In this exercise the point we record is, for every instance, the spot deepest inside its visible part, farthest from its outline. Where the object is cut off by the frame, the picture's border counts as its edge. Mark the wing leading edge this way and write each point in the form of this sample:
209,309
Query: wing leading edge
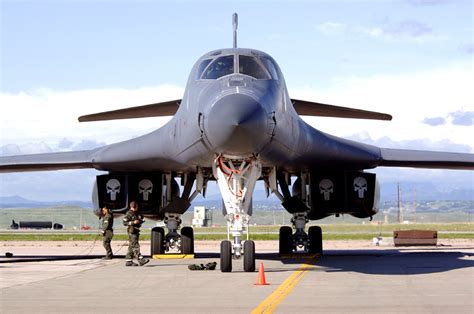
307,108
425,159
167,108
48,161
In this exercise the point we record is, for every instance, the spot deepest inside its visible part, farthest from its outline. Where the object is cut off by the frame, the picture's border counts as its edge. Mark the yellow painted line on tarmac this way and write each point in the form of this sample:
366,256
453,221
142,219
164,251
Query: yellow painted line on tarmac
172,256
273,300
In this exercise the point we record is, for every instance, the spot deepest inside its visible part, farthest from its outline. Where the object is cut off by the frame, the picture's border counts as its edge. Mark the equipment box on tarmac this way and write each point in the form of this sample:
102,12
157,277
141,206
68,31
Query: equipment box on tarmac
415,237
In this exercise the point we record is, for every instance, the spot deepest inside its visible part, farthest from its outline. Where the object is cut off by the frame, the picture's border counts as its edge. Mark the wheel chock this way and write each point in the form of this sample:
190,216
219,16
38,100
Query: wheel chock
300,255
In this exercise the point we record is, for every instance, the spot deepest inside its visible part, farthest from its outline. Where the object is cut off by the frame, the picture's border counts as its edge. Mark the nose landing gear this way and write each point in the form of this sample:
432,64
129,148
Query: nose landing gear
236,178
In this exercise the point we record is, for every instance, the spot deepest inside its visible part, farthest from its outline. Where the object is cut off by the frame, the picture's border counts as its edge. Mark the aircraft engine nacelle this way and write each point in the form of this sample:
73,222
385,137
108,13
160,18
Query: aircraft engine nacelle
354,193
116,191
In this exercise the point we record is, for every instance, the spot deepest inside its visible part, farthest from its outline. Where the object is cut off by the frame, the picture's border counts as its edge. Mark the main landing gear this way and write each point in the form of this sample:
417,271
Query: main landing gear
236,178
300,241
173,241
177,241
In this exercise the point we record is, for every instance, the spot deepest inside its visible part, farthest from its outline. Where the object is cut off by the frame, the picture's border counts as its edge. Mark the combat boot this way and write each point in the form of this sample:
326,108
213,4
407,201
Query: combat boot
130,263
143,261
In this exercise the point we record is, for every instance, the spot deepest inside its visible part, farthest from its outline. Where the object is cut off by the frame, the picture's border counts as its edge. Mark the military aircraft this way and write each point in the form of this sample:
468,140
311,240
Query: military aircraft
236,124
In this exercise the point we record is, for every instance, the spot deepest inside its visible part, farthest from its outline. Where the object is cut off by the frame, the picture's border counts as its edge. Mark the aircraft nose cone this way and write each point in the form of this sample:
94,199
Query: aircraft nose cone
237,124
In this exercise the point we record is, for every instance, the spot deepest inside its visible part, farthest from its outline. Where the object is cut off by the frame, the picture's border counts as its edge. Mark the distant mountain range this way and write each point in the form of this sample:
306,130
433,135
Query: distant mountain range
425,192
21,202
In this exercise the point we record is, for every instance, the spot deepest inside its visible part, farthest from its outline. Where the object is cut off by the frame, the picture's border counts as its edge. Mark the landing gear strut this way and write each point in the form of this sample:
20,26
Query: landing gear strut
175,205
236,178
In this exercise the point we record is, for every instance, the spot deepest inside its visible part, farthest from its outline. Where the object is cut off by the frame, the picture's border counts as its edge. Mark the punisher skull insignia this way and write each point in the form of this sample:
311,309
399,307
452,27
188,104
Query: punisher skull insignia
360,186
113,187
145,187
326,187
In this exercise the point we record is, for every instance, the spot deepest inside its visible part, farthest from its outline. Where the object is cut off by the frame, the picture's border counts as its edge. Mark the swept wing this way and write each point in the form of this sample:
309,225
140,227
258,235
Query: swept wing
169,108
425,159
48,161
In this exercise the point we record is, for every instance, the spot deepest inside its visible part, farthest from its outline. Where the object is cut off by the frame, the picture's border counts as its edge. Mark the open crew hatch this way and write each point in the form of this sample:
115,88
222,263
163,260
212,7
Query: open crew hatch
257,67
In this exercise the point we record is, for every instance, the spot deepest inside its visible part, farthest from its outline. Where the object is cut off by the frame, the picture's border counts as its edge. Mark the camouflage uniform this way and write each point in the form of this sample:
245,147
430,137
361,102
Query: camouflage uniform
133,237
108,233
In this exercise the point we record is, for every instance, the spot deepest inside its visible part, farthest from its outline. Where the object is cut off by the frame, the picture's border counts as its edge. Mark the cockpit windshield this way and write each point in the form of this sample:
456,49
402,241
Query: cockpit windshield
260,68
250,66
219,67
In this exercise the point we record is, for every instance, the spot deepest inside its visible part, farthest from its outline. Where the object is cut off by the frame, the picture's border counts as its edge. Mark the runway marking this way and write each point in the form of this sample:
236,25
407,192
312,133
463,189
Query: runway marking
173,256
273,300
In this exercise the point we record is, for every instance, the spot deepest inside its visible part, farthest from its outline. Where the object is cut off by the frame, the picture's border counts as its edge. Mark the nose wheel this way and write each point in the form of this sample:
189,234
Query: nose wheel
249,256
227,256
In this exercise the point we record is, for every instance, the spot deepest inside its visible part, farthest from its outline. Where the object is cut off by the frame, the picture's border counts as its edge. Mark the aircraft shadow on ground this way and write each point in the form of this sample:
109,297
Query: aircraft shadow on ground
43,258
386,262
372,262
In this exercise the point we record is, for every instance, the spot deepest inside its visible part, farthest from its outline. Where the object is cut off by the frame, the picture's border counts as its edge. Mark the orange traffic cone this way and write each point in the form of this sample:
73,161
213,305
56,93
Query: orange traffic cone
261,277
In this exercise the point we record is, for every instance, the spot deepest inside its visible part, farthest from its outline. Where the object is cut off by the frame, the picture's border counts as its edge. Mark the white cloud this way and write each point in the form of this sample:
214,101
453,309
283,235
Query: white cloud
405,31
50,116
25,149
408,97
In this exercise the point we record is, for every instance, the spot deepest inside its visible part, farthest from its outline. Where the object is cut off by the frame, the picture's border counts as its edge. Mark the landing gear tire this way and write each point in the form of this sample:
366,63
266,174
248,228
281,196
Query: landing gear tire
157,244
285,240
226,256
187,240
249,256
315,237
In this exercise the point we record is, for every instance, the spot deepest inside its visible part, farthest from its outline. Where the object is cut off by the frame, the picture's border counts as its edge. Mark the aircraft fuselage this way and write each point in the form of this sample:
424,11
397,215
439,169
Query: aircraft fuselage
238,115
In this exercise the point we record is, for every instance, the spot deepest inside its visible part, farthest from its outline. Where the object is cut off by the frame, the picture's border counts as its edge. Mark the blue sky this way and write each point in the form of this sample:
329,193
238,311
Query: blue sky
96,44
61,59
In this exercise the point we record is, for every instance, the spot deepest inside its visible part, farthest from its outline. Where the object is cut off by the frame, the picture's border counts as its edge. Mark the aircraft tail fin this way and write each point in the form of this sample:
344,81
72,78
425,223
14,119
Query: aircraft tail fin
307,108
167,108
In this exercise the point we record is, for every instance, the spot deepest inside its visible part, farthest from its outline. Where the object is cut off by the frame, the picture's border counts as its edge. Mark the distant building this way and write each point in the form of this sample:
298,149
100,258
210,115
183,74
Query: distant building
202,216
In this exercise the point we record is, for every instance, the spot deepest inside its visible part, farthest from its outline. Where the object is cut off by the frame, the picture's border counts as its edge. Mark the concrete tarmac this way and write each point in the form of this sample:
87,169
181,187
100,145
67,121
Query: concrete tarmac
356,278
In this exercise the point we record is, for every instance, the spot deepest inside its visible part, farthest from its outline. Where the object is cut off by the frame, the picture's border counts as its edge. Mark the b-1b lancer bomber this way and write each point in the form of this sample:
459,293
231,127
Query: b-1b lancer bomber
236,124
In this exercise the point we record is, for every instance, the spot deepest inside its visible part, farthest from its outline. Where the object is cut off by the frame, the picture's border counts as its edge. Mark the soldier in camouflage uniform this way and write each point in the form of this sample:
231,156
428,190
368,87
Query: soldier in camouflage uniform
107,231
134,221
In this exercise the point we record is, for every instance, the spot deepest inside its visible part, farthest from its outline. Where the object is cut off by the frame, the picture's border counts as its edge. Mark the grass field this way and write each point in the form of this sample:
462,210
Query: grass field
457,224
330,232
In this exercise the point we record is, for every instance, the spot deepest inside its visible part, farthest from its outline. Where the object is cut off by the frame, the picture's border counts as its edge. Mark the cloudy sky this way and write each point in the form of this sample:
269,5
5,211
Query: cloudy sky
62,59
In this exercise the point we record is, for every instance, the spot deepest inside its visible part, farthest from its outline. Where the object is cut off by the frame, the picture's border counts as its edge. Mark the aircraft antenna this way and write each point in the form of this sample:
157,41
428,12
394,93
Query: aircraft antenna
235,23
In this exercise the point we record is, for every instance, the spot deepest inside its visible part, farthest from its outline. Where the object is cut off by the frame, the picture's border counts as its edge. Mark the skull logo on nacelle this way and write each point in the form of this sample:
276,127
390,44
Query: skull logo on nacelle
113,187
326,187
145,187
360,186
